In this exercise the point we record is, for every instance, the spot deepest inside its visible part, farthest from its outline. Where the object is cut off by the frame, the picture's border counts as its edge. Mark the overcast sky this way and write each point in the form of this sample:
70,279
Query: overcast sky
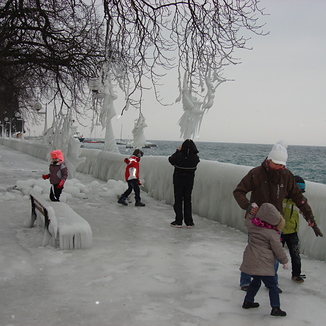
278,90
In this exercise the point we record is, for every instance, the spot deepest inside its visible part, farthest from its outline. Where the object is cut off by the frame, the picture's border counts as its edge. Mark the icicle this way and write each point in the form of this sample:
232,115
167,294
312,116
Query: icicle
192,116
194,108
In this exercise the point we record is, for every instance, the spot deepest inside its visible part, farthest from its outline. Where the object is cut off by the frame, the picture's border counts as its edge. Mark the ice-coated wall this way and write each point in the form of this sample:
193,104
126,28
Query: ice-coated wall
212,194
309,243
38,150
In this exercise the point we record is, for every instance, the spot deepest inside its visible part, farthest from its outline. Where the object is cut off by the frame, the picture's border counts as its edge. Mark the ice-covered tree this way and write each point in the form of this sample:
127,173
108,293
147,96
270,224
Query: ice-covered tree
60,136
48,51
148,38
54,47
107,113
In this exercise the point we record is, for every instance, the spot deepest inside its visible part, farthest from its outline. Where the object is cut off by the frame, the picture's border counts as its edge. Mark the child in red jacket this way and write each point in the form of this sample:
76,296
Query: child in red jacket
58,174
132,178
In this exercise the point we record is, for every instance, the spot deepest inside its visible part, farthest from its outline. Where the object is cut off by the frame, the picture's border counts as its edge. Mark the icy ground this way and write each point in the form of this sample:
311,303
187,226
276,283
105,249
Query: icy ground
139,271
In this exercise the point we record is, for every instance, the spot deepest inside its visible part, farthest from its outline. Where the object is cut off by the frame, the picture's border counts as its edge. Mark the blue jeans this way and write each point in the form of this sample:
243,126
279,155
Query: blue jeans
132,185
270,283
245,279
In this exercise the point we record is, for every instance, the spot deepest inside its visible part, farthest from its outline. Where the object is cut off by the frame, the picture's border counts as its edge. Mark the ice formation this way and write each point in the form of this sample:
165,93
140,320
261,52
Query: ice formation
212,193
194,107
73,232
60,136
107,113
66,230
138,132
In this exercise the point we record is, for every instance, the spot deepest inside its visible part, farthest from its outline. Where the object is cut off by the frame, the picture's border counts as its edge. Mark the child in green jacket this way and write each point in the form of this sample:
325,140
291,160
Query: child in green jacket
290,232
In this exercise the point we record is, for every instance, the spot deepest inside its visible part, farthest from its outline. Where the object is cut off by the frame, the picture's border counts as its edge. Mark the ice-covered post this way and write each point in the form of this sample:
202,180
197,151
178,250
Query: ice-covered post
38,108
138,132
107,113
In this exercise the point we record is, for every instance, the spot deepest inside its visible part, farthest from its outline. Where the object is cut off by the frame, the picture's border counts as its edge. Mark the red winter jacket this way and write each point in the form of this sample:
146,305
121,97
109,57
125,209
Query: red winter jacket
132,169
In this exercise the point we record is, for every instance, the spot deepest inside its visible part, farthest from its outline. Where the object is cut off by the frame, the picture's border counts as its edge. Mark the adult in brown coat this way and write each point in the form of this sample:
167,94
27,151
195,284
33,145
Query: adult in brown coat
271,183
260,255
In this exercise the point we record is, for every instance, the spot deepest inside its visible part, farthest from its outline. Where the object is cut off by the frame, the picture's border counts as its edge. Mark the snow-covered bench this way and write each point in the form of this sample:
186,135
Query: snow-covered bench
63,227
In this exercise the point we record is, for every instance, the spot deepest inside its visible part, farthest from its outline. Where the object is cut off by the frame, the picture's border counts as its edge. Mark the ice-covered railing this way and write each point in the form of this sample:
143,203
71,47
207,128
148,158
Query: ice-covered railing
212,194
38,150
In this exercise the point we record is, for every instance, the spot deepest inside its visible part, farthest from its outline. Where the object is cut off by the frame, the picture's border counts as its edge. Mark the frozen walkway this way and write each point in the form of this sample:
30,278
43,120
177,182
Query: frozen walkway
139,272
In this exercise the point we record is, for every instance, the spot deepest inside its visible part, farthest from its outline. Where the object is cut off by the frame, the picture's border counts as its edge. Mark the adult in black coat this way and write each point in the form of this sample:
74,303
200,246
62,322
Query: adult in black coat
185,161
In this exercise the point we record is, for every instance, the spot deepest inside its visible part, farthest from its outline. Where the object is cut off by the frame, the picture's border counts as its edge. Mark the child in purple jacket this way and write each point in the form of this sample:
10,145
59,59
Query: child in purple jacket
58,174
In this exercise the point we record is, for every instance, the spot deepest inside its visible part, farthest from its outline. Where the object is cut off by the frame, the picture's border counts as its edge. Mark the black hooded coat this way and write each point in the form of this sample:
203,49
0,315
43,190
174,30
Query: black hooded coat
185,162
186,159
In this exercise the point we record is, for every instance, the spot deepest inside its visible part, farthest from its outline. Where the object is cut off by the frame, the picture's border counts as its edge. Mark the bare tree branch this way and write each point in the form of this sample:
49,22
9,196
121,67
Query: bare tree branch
158,35
50,48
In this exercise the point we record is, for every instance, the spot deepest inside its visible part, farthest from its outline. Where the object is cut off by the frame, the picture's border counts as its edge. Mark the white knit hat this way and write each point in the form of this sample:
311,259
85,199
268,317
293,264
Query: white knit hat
279,154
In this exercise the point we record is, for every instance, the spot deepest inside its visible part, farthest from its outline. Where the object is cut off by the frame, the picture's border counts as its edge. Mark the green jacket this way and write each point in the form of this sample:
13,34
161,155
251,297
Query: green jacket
291,215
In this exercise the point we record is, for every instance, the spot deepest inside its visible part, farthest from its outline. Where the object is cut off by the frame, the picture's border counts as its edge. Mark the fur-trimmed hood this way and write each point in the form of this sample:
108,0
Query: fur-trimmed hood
264,242
268,213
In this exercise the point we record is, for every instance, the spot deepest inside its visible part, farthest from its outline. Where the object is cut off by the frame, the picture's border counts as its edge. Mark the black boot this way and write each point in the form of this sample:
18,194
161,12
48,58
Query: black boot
139,203
276,311
248,305
122,201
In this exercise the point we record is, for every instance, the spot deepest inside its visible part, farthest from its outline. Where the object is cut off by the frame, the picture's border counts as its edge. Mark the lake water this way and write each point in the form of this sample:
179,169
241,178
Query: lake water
306,161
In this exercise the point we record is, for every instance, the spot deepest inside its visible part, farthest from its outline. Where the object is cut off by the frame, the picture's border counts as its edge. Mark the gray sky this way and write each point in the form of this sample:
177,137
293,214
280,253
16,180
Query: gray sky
278,90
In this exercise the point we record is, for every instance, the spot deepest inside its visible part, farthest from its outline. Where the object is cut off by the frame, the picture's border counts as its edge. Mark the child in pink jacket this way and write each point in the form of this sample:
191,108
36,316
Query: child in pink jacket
58,174
263,248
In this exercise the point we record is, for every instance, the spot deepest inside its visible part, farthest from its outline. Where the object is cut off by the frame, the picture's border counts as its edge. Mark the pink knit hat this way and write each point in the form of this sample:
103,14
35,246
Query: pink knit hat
57,155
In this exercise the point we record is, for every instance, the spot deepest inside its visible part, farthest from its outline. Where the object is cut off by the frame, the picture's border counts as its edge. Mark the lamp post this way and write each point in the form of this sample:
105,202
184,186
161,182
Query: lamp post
2,127
38,108
8,121
95,86
19,116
